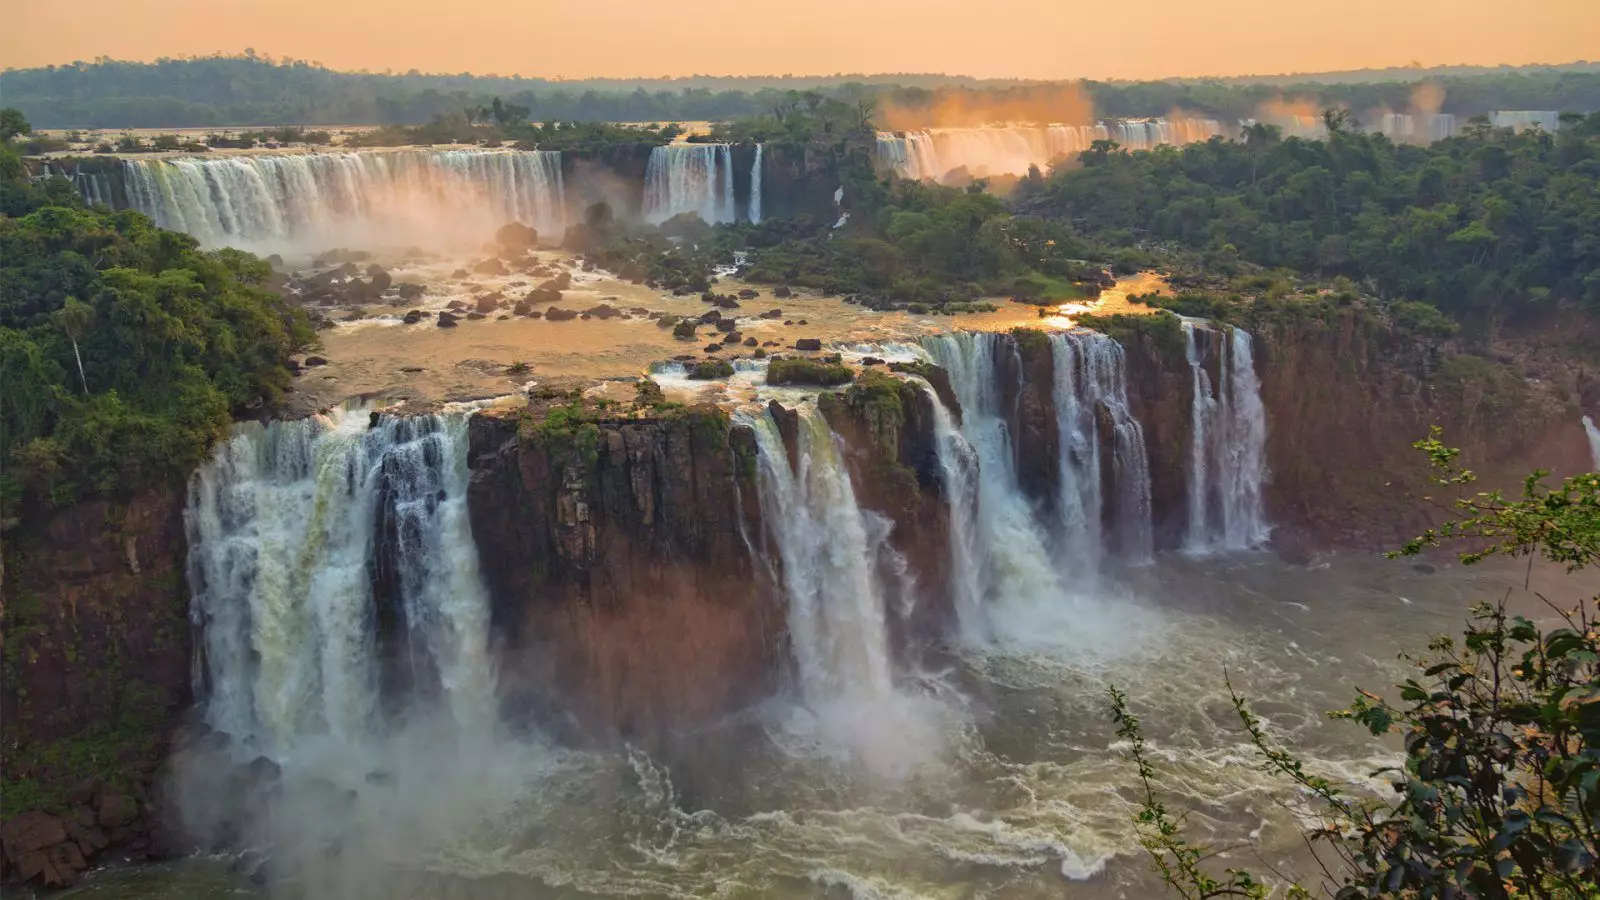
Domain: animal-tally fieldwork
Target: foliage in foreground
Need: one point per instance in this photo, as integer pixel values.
(1499, 793)
(125, 350)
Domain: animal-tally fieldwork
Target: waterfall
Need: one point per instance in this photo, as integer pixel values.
(827, 546)
(1013, 149)
(1593, 432)
(755, 187)
(1091, 386)
(291, 526)
(310, 200)
(958, 465)
(685, 178)
(1227, 449)
(1014, 568)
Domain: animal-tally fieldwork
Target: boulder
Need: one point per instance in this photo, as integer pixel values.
(782, 291)
(446, 320)
(726, 302)
(456, 305)
(412, 317)
(380, 282)
(711, 317)
(726, 325)
(871, 361)
(603, 311)
(732, 337)
(772, 314)
(749, 342)
(807, 344)
(748, 294)
(557, 314)
(459, 274)
(543, 294)
(491, 266)
(516, 236)
(522, 307)
(116, 810)
(488, 303)
(713, 348)
(313, 361)
(475, 316)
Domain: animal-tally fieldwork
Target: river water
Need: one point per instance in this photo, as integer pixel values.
(1020, 790)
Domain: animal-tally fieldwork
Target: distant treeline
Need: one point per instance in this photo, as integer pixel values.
(249, 90)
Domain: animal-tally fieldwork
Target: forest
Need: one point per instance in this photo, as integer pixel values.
(1483, 226)
(125, 351)
(251, 90)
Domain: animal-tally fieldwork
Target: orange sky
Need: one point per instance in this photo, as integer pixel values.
(1005, 38)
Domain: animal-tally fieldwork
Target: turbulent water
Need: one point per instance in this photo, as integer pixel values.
(690, 178)
(1227, 444)
(283, 525)
(1013, 149)
(295, 202)
(987, 769)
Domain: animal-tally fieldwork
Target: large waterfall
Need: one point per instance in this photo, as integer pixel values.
(331, 567)
(287, 202)
(1593, 431)
(1091, 397)
(1013, 149)
(690, 178)
(1227, 451)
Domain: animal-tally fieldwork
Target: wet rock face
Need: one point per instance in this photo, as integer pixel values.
(96, 618)
(624, 597)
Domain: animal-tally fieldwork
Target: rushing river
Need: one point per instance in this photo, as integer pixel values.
(1021, 790)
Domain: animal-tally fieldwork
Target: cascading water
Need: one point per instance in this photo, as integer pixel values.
(1091, 382)
(291, 526)
(685, 178)
(289, 201)
(1013, 566)
(1227, 452)
(755, 187)
(839, 576)
(1593, 431)
(1013, 149)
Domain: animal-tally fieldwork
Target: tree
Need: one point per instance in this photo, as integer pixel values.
(12, 124)
(73, 318)
(1499, 796)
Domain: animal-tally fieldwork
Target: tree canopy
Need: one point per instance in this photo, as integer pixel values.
(125, 351)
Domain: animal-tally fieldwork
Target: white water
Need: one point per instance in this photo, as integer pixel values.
(1421, 128)
(1227, 449)
(1593, 432)
(302, 202)
(690, 178)
(755, 187)
(958, 464)
(1013, 149)
(839, 575)
(281, 536)
(1090, 373)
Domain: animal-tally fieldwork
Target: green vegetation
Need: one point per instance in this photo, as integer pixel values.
(827, 372)
(1164, 329)
(710, 369)
(125, 351)
(222, 90)
(1499, 796)
(1483, 227)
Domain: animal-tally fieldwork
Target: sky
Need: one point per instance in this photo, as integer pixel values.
(641, 38)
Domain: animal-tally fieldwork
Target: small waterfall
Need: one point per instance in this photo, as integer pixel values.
(1090, 393)
(292, 527)
(289, 201)
(1015, 569)
(1593, 432)
(1227, 452)
(958, 464)
(828, 547)
(755, 187)
(684, 178)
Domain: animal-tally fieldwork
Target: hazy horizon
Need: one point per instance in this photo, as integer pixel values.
(1036, 39)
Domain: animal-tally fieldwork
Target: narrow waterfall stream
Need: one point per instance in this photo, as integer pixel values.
(1227, 447)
